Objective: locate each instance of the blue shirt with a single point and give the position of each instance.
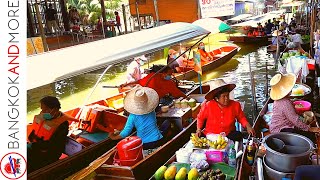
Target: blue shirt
(146, 125)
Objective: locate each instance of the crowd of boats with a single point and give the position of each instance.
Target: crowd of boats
(92, 154)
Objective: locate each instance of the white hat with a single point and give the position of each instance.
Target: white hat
(281, 85)
(216, 86)
(143, 58)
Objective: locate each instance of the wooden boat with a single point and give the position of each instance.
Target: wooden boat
(220, 56)
(105, 169)
(248, 39)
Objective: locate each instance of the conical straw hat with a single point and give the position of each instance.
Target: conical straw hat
(141, 100)
(281, 85)
(215, 86)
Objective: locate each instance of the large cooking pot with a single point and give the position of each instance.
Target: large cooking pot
(296, 151)
(272, 174)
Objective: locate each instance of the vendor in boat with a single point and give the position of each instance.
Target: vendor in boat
(141, 102)
(219, 113)
(277, 36)
(161, 80)
(205, 56)
(284, 117)
(48, 136)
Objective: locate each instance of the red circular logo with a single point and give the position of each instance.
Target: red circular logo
(13, 165)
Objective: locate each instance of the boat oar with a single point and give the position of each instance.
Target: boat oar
(107, 86)
(95, 86)
(92, 167)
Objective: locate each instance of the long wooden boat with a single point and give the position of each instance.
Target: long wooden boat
(220, 57)
(105, 169)
(80, 144)
(248, 39)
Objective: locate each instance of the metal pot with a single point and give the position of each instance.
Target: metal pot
(272, 174)
(288, 159)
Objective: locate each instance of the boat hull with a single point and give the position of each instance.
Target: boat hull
(210, 66)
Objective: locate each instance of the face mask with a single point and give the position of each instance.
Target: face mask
(167, 77)
(47, 116)
(201, 47)
(141, 62)
(174, 56)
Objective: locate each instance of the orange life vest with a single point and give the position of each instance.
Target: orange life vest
(44, 128)
(203, 53)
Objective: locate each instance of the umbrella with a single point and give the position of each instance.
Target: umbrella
(213, 25)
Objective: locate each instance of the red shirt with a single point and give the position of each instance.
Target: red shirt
(162, 86)
(220, 119)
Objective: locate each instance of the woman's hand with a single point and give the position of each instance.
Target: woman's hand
(115, 135)
(314, 129)
(198, 132)
(250, 130)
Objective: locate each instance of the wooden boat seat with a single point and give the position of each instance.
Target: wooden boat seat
(94, 137)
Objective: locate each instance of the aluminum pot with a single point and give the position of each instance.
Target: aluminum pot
(272, 174)
(287, 161)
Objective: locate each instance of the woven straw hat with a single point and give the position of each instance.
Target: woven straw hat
(281, 85)
(216, 86)
(276, 33)
(141, 100)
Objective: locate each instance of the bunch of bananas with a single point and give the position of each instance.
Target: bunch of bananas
(199, 142)
(219, 143)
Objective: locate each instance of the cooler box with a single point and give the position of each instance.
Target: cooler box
(129, 151)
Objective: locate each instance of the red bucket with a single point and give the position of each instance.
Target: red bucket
(129, 151)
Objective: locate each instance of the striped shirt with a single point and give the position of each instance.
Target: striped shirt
(284, 116)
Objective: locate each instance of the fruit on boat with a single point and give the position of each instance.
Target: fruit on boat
(193, 174)
(182, 174)
(170, 173)
(160, 173)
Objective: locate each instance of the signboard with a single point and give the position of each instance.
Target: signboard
(34, 46)
(216, 8)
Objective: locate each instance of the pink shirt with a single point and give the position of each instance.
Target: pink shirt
(284, 116)
(220, 119)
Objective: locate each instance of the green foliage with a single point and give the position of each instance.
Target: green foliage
(93, 8)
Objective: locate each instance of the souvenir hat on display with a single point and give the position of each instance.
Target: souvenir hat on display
(143, 58)
(281, 85)
(216, 86)
(141, 100)
(276, 33)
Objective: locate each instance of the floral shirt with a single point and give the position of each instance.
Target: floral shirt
(220, 119)
(284, 116)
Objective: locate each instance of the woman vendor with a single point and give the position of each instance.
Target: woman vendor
(141, 102)
(284, 117)
(220, 113)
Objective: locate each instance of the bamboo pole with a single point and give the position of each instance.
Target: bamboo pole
(124, 19)
(43, 36)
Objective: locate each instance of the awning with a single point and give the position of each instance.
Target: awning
(64, 63)
(240, 17)
(252, 21)
(294, 3)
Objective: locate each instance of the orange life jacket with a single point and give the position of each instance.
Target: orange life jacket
(44, 128)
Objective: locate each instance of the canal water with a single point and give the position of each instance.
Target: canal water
(74, 91)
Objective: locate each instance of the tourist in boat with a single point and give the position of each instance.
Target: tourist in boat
(161, 80)
(284, 117)
(255, 32)
(48, 136)
(277, 37)
(219, 113)
(205, 56)
(141, 103)
(268, 27)
(134, 71)
(250, 33)
(171, 60)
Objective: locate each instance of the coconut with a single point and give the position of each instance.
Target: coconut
(192, 102)
(177, 103)
(184, 103)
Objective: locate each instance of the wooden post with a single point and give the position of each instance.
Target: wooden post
(138, 16)
(124, 19)
(312, 23)
(65, 15)
(43, 36)
(155, 4)
(103, 12)
(30, 21)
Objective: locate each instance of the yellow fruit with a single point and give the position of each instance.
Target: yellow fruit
(170, 173)
(219, 146)
(160, 173)
(193, 174)
(182, 174)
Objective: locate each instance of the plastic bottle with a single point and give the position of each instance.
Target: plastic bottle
(232, 156)
(250, 153)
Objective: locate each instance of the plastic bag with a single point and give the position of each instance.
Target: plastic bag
(200, 165)
(198, 155)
